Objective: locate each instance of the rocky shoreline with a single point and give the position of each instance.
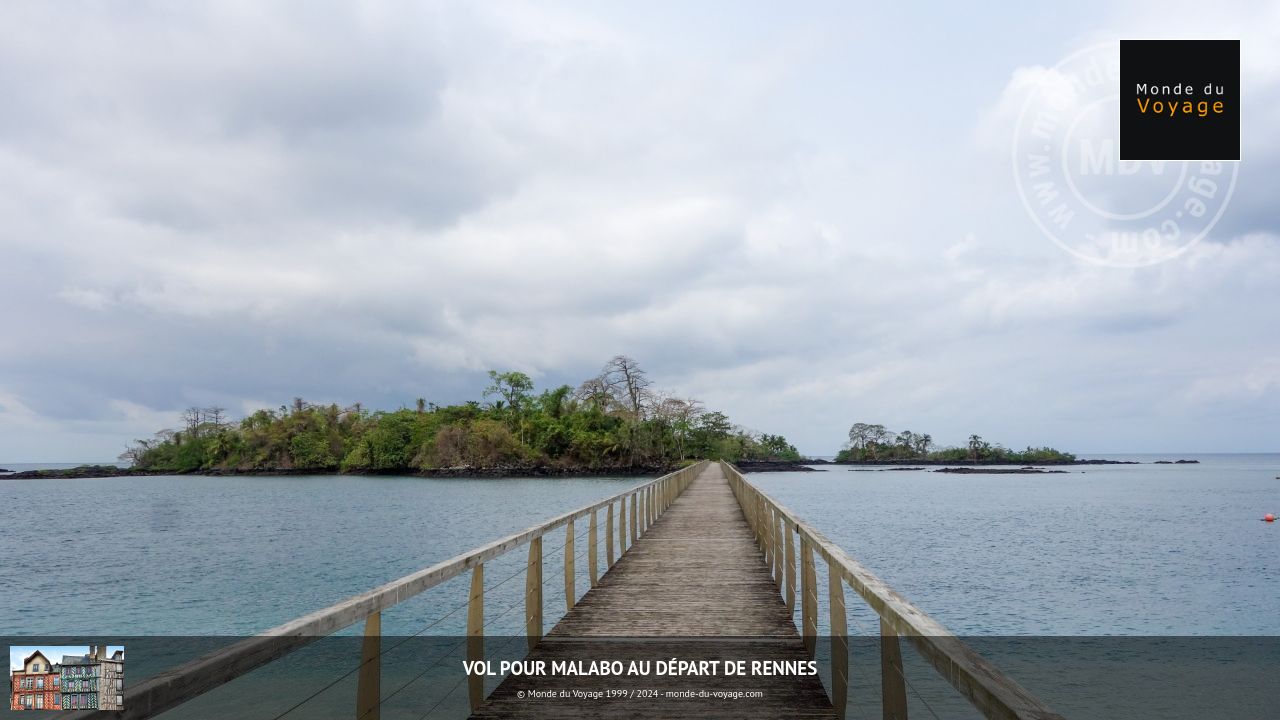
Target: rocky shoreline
(746, 466)
(995, 468)
(999, 471)
(109, 471)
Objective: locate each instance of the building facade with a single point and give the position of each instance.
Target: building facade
(36, 686)
(94, 681)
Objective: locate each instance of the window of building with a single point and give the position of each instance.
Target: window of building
(26, 701)
(39, 683)
(55, 680)
(39, 702)
(119, 683)
(120, 700)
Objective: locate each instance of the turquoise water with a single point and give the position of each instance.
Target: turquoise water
(196, 555)
(1123, 549)
(1140, 550)
(1102, 550)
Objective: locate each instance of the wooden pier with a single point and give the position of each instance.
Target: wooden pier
(698, 564)
(694, 585)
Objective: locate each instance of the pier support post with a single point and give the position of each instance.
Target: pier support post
(893, 679)
(622, 527)
(775, 528)
(608, 537)
(533, 594)
(839, 644)
(635, 533)
(475, 635)
(808, 597)
(570, 572)
(791, 570)
(369, 680)
(591, 550)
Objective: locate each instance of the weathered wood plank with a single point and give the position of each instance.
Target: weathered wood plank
(369, 679)
(694, 582)
(475, 635)
(893, 680)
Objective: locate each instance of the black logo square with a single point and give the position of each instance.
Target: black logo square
(1179, 99)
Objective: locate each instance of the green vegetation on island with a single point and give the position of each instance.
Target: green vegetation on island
(613, 421)
(870, 443)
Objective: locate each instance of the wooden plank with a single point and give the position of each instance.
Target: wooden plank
(570, 572)
(697, 574)
(839, 645)
(475, 635)
(808, 597)
(608, 537)
(775, 534)
(369, 679)
(791, 570)
(622, 527)
(592, 550)
(533, 594)
(893, 679)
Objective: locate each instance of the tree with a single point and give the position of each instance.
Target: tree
(191, 418)
(514, 388)
(215, 416)
(614, 420)
(679, 416)
(595, 393)
(975, 446)
(626, 377)
(860, 434)
(922, 444)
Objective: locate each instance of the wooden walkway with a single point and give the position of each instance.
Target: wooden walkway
(693, 587)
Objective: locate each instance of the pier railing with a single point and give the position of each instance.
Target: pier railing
(777, 530)
(637, 509)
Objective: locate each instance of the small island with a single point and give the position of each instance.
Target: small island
(615, 423)
(874, 444)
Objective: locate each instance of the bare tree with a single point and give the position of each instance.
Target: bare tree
(191, 418)
(134, 453)
(215, 416)
(629, 380)
(594, 391)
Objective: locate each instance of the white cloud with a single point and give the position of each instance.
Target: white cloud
(380, 202)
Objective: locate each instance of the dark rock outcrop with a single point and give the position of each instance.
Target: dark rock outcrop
(998, 471)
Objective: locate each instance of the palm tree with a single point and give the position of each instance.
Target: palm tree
(975, 444)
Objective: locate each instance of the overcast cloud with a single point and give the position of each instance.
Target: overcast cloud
(804, 218)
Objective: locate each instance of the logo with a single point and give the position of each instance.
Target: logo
(1083, 195)
(1180, 99)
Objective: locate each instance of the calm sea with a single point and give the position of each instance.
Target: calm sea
(1147, 551)
(1121, 549)
(1100, 550)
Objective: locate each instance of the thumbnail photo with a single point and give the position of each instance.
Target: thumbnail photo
(66, 677)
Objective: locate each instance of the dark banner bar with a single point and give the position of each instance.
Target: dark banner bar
(427, 677)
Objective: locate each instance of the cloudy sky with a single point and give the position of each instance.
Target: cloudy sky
(804, 217)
